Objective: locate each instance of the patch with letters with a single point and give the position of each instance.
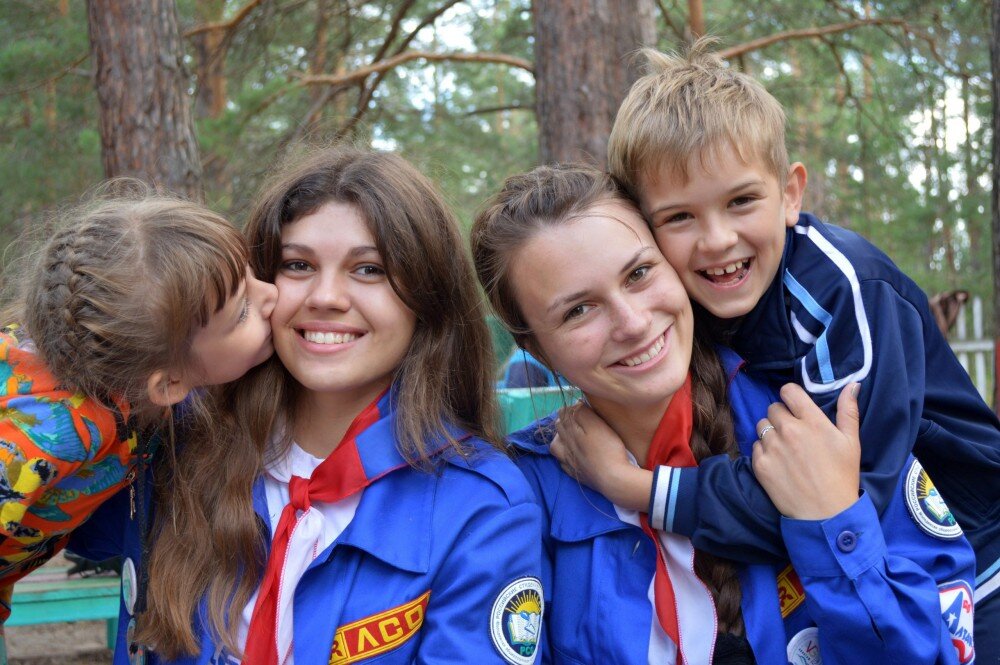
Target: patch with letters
(957, 610)
(378, 633)
(516, 620)
(927, 507)
(803, 649)
(790, 591)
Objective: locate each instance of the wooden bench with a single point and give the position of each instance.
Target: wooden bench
(48, 596)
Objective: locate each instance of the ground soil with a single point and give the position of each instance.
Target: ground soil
(75, 643)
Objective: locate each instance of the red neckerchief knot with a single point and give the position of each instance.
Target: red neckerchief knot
(340, 475)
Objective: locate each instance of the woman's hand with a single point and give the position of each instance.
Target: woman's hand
(809, 467)
(590, 451)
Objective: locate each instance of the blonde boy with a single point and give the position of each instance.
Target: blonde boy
(701, 147)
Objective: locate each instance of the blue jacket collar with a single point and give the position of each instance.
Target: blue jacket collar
(382, 511)
(765, 337)
(577, 513)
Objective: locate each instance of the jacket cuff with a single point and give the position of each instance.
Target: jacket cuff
(848, 543)
(672, 506)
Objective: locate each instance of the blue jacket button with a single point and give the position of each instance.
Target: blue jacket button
(847, 541)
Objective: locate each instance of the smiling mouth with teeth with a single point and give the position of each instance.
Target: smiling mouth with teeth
(729, 273)
(647, 355)
(328, 337)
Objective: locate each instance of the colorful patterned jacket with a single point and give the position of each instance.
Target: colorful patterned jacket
(61, 455)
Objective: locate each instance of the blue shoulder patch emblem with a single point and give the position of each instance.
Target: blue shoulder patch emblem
(927, 507)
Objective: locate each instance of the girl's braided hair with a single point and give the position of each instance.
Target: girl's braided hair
(122, 285)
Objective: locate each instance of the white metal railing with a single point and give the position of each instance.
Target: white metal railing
(975, 352)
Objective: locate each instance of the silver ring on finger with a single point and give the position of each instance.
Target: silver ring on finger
(764, 430)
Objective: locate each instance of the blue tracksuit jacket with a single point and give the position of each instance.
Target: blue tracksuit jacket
(842, 312)
(434, 568)
(875, 589)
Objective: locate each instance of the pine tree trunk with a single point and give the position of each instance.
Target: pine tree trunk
(146, 126)
(995, 199)
(582, 71)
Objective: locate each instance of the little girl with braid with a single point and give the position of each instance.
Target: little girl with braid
(136, 300)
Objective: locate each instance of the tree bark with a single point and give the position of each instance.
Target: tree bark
(995, 198)
(582, 71)
(210, 60)
(145, 115)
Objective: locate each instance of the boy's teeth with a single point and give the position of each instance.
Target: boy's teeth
(328, 337)
(727, 269)
(644, 357)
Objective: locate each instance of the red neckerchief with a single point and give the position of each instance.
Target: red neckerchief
(340, 475)
(671, 446)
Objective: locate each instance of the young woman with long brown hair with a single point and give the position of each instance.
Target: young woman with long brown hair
(573, 271)
(357, 506)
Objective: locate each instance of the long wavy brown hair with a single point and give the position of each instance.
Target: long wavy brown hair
(210, 541)
(551, 196)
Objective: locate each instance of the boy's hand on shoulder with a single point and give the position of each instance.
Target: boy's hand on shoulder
(809, 467)
(590, 451)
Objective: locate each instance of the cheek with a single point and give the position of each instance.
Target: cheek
(388, 310)
(289, 296)
(675, 248)
(576, 353)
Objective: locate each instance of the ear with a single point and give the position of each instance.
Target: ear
(795, 187)
(166, 389)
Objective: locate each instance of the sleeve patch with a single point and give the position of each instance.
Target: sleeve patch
(516, 620)
(956, 612)
(927, 507)
(804, 647)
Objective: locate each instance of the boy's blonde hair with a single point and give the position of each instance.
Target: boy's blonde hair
(692, 104)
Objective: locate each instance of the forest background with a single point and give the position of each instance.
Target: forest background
(888, 103)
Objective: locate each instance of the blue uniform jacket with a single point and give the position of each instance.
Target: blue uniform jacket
(842, 312)
(467, 535)
(878, 599)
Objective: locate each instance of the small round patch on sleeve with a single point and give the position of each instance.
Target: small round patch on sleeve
(803, 648)
(927, 507)
(516, 620)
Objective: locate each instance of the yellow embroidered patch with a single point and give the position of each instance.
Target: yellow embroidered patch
(790, 591)
(378, 633)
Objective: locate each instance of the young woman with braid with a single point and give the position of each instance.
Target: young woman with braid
(134, 301)
(573, 271)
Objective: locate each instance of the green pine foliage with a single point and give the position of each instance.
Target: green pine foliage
(877, 113)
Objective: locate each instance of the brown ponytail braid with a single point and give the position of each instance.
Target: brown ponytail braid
(714, 435)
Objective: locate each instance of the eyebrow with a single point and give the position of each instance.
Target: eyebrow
(750, 182)
(354, 252)
(627, 268)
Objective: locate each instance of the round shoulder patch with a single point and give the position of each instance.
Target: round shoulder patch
(927, 507)
(129, 585)
(516, 620)
(803, 649)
